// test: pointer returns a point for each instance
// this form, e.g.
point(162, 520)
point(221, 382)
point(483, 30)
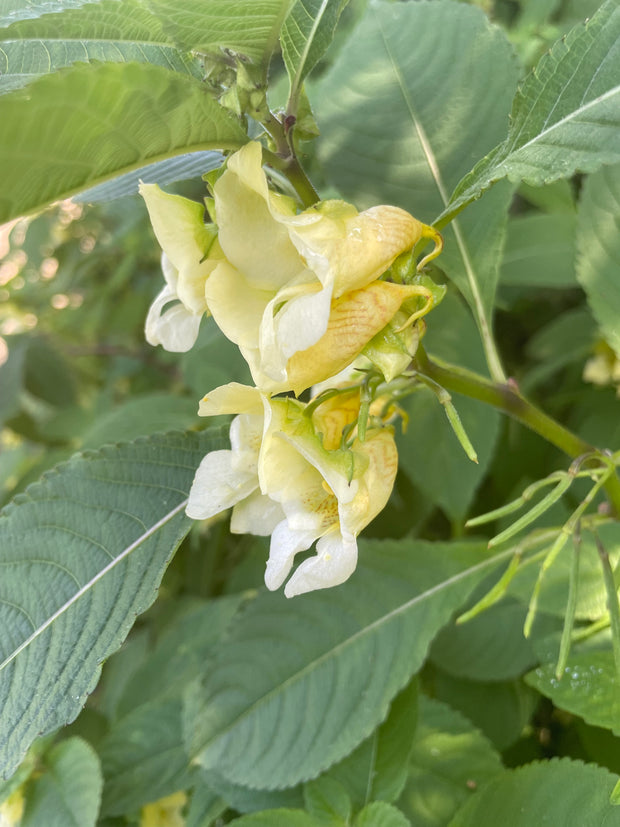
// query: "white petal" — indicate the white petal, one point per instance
point(256, 514)
point(302, 321)
point(217, 486)
point(176, 329)
point(284, 546)
point(334, 562)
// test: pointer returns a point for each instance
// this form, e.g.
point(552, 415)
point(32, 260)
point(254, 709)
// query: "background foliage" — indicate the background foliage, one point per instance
point(368, 705)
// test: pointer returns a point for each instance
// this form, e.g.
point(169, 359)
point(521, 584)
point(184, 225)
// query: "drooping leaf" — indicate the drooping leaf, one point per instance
point(450, 759)
point(589, 687)
point(88, 123)
point(248, 27)
point(82, 553)
point(566, 115)
point(68, 791)
point(598, 244)
point(294, 663)
point(106, 31)
point(403, 127)
point(554, 793)
point(377, 769)
point(180, 168)
point(307, 32)
point(436, 462)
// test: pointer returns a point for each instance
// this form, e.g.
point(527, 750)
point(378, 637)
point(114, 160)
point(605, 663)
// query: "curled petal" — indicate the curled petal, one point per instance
point(334, 562)
point(256, 514)
point(218, 485)
point(176, 328)
point(231, 398)
point(285, 544)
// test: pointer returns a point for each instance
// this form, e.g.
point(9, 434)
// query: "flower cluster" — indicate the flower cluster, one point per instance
point(305, 296)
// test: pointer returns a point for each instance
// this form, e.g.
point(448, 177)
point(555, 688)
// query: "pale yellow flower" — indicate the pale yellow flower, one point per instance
point(190, 252)
point(299, 292)
point(167, 812)
point(12, 809)
point(288, 475)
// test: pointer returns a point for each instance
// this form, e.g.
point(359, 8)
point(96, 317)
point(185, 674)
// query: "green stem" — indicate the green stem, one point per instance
point(285, 160)
point(507, 398)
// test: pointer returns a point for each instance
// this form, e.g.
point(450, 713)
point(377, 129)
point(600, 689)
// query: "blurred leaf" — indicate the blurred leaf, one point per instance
point(555, 793)
point(450, 759)
point(57, 542)
point(307, 32)
point(589, 688)
point(377, 769)
point(68, 792)
point(598, 244)
point(12, 376)
point(491, 647)
point(429, 452)
point(295, 662)
point(380, 814)
point(85, 124)
point(248, 800)
point(140, 416)
point(143, 757)
point(249, 27)
point(557, 197)
point(12, 10)
point(281, 818)
point(105, 31)
point(501, 709)
point(540, 251)
point(204, 807)
point(48, 375)
point(565, 116)
point(404, 127)
point(180, 168)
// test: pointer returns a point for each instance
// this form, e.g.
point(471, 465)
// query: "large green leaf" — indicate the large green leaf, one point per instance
point(588, 687)
point(313, 676)
point(404, 127)
point(450, 758)
point(540, 251)
point(107, 31)
point(67, 792)
point(566, 115)
point(82, 553)
point(306, 35)
point(598, 243)
point(249, 27)
point(86, 124)
point(557, 793)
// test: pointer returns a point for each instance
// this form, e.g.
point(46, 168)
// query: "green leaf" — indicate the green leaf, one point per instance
point(83, 553)
point(249, 27)
point(12, 376)
point(85, 124)
point(377, 769)
point(108, 31)
point(556, 793)
point(296, 663)
point(380, 814)
point(68, 792)
point(598, 244)
point(404, 127)
point(491, 647)
point(143, 757)
point(565, 117)
point(327, 799)
point(307, 32)
point(450, 759)
point(12, 10)
point(436, 462)
point(204, 808)
point(280, 818)
point(588, 688)
point(540, 251)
